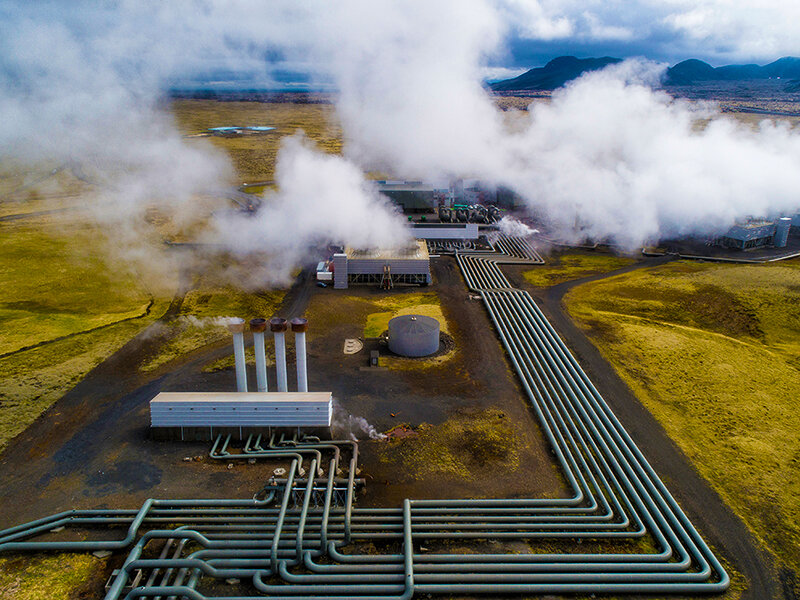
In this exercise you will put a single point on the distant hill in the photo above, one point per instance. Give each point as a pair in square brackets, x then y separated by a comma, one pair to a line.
[554, 74]
[793, 86]
[693, 71]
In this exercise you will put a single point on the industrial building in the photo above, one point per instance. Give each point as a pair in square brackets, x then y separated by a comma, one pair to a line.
[253, 412]
[413, 196]
[446, 231]
[474, 191]
[409, 266]
[201, 415]
[757, 234]
[419, 196]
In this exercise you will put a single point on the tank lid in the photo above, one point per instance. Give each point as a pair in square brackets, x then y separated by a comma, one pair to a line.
[413, 324]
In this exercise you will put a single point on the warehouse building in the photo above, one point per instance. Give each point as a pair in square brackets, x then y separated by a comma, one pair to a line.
[413, 196]
[446, 231]
[758, 234]
[754, 234]
[200, 415]
[386, 268]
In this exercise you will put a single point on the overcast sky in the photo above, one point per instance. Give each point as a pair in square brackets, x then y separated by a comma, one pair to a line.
[218, 38]
[718, 31]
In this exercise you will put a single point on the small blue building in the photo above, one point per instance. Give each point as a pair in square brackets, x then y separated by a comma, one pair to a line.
[754, 234]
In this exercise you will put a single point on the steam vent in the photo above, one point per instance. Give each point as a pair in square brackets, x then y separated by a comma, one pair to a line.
[413, 335]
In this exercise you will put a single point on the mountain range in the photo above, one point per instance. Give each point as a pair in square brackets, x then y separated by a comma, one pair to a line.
[689, 72]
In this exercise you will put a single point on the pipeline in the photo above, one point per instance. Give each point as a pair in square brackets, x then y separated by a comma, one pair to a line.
[302, 537]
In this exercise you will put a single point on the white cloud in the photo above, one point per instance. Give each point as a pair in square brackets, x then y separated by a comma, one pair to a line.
[537, 20]
[736, 28]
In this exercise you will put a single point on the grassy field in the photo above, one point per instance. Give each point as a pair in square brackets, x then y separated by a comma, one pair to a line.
[254, 155]
[55, 283]
[202, 321]
[574, 264]
[25, 189]
[55, 577]
[713, 351]
[63, 310]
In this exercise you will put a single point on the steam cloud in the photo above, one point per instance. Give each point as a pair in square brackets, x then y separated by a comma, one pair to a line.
[609, 157]
[321, 198]
[353, 426]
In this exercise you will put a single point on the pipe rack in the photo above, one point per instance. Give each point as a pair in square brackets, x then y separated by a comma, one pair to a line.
[298, 538]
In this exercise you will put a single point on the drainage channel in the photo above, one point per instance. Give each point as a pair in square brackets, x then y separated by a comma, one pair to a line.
[301, 536]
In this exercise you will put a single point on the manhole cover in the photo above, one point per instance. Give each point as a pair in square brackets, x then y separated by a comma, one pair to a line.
[352, 346]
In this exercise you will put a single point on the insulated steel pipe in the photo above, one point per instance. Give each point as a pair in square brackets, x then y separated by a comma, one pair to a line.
[258, 326]
[299, 327]
[236, 327]
[278, 328]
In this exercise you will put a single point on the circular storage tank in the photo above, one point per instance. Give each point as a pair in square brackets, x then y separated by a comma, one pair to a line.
[413, 335]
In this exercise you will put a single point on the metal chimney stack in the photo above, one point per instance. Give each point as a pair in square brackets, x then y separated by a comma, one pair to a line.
[258, 326]
[278, 327]
[236, 327]
[299, 326]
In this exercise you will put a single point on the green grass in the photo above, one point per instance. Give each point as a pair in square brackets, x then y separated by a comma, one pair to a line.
[54, 282]
[32, 380]
[254, 156]
[202, 320]
[54, 576]
[574, 264]
[61, 300]
[426, 304]
[713, 351]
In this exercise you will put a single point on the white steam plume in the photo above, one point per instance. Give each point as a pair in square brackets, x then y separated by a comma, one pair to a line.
[354, 427]
[321, 198]
[83, 84]
[608, 158]
[511, 227]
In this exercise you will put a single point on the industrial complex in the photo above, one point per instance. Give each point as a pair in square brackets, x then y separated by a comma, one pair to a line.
[311, 525]
[302, 302]
[382, 267]
[303, 534]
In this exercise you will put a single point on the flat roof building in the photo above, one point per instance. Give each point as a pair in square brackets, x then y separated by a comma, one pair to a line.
[410, 266]
[411, 196]
[754, 234]
[199, 415]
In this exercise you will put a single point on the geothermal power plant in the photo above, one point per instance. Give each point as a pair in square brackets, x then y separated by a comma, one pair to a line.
[389, 300]
[303, 534]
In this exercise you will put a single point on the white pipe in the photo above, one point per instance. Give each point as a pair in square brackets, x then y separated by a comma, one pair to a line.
[280, 360]
[299, 327]
[261, 361]
[236, 327]
[300, 350]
